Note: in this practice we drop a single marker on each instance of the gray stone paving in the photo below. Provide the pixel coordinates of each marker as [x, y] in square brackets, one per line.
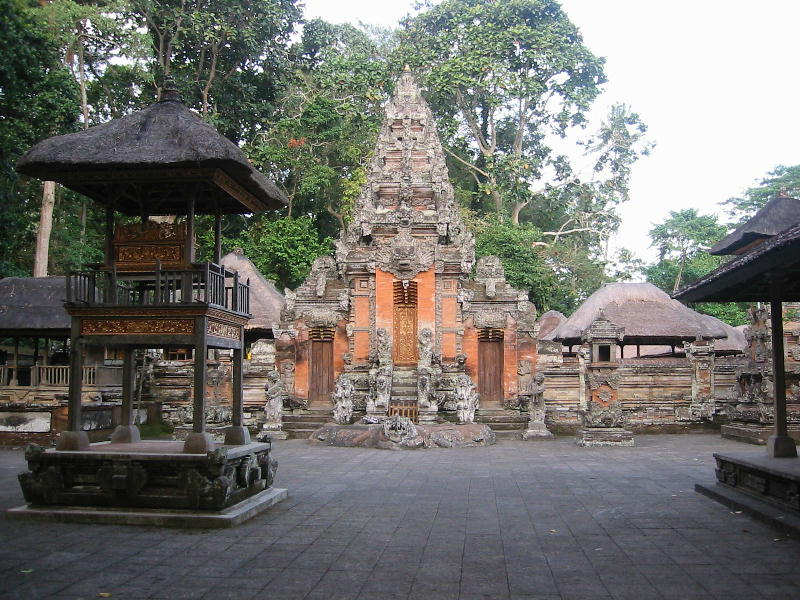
[543, 520]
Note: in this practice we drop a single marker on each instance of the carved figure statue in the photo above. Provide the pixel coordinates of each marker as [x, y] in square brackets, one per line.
[287, 375]
[467, 399]
[536, 411]
[342, 399]
[425, 348]
[275, 396]
[399, 429]
[489, 271]
[384, 347]
[287, 312]
[383, 387]
[424, 386]
[525, 377]
[461, 362]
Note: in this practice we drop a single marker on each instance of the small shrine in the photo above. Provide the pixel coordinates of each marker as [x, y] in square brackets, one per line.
[150, 292]
[395, 323]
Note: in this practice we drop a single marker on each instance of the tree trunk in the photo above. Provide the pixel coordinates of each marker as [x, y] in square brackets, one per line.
[40, 259]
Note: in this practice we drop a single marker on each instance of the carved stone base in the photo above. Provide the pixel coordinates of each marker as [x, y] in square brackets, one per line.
[148, 474]
[773, 480]
[198, 443]
[237, 435]
[272, 434]
[781, 446]
[126, 434]
[604, 436]
[72, 440]
[753, 433]
[537, 431]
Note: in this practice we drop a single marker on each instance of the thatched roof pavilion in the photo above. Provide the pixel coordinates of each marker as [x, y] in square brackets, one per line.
[774, 217]
[266, 302]
[33, 307]
[647, 314]
[146, 163]
[549, 321]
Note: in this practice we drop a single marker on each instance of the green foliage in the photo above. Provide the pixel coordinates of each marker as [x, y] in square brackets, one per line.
[682, 240]
[524, 266]
[37, 99]
[283, 249]
[781, 179]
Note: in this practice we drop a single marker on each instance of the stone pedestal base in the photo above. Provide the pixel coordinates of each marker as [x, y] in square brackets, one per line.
[198, 443]
[72, 440]
[237, 435]
[781, 446]
[274, 434]
[753, 433]
[604, 436]
[537, 431]
[126, 433]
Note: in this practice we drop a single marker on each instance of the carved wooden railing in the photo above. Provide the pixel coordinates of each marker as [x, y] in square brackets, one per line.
[205, 283]
[47, 375]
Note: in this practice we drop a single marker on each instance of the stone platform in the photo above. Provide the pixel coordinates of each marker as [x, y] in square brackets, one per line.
[147, 475]
[187, 519]
[775, 481]
[434, 435]
[604, 436]
[752, 433]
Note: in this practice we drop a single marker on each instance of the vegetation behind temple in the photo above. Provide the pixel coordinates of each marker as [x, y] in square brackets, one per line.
[510, 84]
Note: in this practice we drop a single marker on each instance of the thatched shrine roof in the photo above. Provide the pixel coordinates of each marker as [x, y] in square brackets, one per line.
[33, 307]
[266, 302]
[151, 161]
[548, 322]
[647, 314]
[775, 216]
[774, 264]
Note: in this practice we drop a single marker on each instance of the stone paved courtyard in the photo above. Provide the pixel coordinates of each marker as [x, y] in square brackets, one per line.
[517, 520]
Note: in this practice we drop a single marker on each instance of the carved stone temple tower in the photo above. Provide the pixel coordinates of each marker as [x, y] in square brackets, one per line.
[395, 312]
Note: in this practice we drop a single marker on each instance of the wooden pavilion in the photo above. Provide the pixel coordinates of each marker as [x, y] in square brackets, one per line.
[150, 292]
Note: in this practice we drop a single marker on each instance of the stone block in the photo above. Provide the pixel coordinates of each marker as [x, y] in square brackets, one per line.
[604, 436]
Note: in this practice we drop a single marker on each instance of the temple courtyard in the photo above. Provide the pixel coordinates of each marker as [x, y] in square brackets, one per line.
[542, 520]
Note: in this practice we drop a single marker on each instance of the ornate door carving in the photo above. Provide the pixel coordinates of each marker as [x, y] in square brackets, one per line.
[321, 379]
[490, 367]
[405, 323]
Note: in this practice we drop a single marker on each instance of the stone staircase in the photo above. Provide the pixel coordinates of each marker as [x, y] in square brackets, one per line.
[506, 424]
[404, 389]
[300, 424]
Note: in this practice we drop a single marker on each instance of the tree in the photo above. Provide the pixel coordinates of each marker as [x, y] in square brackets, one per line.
[228, 57]
[37, 100]
[682, 241]
[781, 180]
[326, 122]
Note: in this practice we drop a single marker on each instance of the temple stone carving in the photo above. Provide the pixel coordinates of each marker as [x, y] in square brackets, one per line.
[397, 300]
[273, 407]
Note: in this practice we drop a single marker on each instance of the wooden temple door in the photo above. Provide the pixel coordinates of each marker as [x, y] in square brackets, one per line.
[404, 344]
[320, 385]
[490, 368]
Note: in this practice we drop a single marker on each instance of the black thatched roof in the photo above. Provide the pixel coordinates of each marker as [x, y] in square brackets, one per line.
[775, 216]
[266, 302]
[748, 278]
[33, 307]
[151, 161]
[648, 315]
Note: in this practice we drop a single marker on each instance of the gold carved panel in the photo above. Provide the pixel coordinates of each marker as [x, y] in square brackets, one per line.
[141, 254]
[137, 326]
[222, 330]
[405, 334]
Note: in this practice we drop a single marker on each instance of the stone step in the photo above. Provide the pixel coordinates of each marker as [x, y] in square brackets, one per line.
[507, 435]
[491, 419]
[506, 426]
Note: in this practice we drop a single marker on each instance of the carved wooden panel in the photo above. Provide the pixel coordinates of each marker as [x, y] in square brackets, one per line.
[321, 379]
[490, 372]
[405, 323]
[137, 326]
[223, 330]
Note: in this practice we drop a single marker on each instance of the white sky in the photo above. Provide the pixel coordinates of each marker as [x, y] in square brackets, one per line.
[716, 81]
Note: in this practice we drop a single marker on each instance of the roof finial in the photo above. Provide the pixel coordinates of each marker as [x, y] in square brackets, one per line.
[169, 92]
[784, 192]
[406, 68]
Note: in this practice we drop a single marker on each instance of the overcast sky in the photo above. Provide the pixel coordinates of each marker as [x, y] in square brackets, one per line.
[716, 81]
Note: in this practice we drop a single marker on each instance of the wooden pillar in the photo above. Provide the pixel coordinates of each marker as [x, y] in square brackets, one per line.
[14, 374]
[238, 434]
[189, 251]
[779, 445]
[109, 242]
[74, 438]
[217, 238]
[199, 441]
[127, 431]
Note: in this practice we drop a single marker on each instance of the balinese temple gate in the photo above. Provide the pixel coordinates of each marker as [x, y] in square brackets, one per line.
[395, 312]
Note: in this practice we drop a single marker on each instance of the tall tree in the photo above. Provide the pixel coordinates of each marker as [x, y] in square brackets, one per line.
[326, 121]
[781, 179]
[682, 241]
